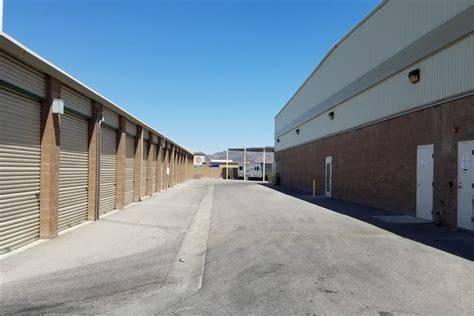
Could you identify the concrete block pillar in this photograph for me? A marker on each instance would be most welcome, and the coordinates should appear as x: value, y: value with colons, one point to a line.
x: 137, y: 180
x: 121, y: 152
x: 172, y: 166
x: 49, y: 174
x: 178, y: 163
x: 94, y: 142
x: 149, y: 167
x: 166, y: 166
x: 159, y: 165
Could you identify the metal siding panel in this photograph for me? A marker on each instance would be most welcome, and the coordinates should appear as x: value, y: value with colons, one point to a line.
x: 368, y: 46
x: 76, y: 101
x: 20, y: 151
x: 129, y: 169
x: 22, y: 76
x: 73, y: 171
x: 130, y: 128
x: 146, y: 135
x: 144, y: 168
x: 111, y: 118
x: 108, y: 170
x: 446, y: 73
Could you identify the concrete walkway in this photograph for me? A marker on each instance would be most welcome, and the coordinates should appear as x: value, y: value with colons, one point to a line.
x: 246, y: 249
x: 103, y: 264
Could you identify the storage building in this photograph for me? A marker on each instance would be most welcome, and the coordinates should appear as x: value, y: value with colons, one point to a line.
x: 387, y: 117
x: 58, y: 170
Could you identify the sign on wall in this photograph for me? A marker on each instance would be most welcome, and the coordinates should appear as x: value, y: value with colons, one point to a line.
x: 199, y: 160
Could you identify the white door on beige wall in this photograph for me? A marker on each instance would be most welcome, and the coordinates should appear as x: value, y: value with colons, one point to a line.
x: 328, y: 175
x: 465, y: 184
x: 424, y: 182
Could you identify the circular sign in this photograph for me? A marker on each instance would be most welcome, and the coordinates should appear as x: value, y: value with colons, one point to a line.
x: 198, y: 159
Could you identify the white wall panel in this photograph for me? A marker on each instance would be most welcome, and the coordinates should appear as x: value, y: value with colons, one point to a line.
x: 393, y: 27
x: 448, y: 72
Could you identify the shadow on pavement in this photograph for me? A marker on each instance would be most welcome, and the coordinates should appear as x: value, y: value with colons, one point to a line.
x: 458, y: 242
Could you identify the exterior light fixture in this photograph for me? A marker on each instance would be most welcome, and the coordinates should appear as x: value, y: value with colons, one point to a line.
x: 331, y: 115
x: 297, y: 131
x: 414, y: 76
x: 58, y: 106
x: 278, y: 140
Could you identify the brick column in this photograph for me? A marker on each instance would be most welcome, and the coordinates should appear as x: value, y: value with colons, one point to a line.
x: 121, y: 150
x: 149, y: 166
x: 178, y: 167
x: 138, y: 164
x: 173, y: 166
x: 94, y: 142
x: 186, y: 169
x: 181, y: 169
x: 159, y: 160
x: 49, y: 174
x: 166, y: 166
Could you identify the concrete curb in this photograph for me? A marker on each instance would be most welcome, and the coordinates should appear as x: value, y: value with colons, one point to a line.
x: 185, y: 275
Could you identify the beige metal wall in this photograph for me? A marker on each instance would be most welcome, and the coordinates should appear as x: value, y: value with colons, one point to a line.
x: 110, y: 118
x: 390, y: 29
x: 20, y: 75
x: 76, y: 101
x: 448, y: 72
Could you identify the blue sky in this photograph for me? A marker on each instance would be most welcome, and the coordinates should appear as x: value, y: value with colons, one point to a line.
x: 210, y: 74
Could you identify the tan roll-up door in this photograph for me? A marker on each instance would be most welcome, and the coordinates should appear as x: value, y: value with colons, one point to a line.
x: 144, y: 168
x: 73, y: 171
x: 129, y: 169
x: 154, y: 162
x: 20, y: 120
x: 108, y: 170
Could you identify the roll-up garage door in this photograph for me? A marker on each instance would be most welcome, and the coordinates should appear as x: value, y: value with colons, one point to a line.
x: 20, y: 130
x: 129, y: 169
x: 108, y: 169
x: 144, y: 168
x: 73, y: 171
x: 154, y: 162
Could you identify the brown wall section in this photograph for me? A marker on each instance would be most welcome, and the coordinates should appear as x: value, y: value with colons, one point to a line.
x: 376, y: 165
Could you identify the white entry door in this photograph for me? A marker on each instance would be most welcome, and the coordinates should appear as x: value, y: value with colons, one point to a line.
x: 424, y: 182
x: 328, y: 172
x: 465, y: 184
